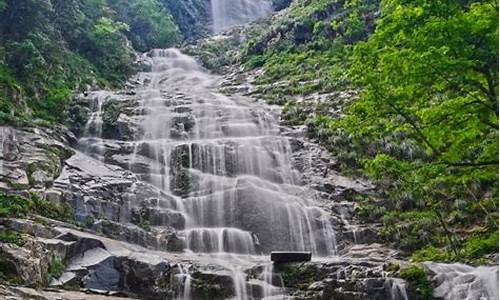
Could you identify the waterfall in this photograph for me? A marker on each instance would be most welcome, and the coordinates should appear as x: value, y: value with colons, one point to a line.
x: 91, y: 141
x: 396, y: 289
x: 222, y: 170
x: 223, y: 165
x: 228, y: 13
x: 459, y: 281
x: 184, y: 281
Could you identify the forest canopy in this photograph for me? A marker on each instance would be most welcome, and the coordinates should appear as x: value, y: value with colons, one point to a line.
x: 50, y: 48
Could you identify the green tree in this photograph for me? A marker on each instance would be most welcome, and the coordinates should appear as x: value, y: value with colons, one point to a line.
x: 150, y: 25
x: 427, y: 121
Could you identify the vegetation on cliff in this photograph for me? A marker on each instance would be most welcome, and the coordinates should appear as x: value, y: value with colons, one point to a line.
x: 50, y: 48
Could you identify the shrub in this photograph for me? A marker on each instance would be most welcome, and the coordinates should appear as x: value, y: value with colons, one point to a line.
x: 13, y: 206
x: 62, y: 212
x: 417, y: 278
x: 477, y: 246
x: 11, y: 237
x: 56, y: 268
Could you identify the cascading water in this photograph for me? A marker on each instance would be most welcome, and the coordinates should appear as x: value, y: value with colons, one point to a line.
x: 184, y: 280
x: 228, y: 13
x: 459, y: 281
x: 92, y: 132
x: 222, y: 168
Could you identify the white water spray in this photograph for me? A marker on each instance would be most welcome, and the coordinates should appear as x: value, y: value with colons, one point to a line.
x: 459, y: 281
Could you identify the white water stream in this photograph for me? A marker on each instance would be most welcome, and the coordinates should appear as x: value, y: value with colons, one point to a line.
x: 459, y: 281
x: 223, y: 168
x: 228, y: 13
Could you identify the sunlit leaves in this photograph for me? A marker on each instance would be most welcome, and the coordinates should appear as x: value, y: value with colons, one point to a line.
x: 429, y: 73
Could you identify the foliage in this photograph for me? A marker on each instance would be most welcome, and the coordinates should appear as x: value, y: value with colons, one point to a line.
x: 51, y: 48
x: 56, y: 268
x: 417, y: 278
x: 153, y: 27
x: 471, y: 249
x: 308, y: 50
x: 62, y: 212
x: 478, y: 245
x: 50, y: 108
x: 11, y: 237
x: 300, y: 276
x: 190, y: 16
x: 13, y: 206
x: 427, y: 119
x: 216, y: 54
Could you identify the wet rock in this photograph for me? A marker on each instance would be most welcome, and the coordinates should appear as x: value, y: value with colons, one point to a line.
x: 153, y: 239
x: 458, y: 281
x: 344, y: 278
x: 40, y: 179
x: 23, y: 293
x: 17, y: 179
x: 212, y: 286
x: 31, y: 158
x: 29, y: 227
x: 103, y: 276
x: 27, y: 265
x: 54, y: 195
x: 93, y: 262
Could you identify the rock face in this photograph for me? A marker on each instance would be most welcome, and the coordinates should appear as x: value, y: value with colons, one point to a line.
x: 32, y: 158
x: 9, y: 292
x: 192, y: 16
x: 101, y: 265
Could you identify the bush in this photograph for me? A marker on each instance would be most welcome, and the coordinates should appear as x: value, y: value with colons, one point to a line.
x: 431, y: 253
x: 11, y: 237
x: 477, y: 246
x: 417, y: 278
x: 371, y: 212
x: 13, y: 206
x: 62, y: 212
x: 299, y: 276
x: 56, y: 268
x: 50, y: 48
x: 54, y: 106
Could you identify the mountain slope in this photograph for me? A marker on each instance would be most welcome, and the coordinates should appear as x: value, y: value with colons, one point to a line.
x: 405, y: 94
